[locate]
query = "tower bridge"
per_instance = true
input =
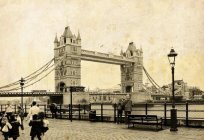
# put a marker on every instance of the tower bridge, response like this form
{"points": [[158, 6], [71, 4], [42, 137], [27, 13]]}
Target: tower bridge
{"points": [[68, 71]]}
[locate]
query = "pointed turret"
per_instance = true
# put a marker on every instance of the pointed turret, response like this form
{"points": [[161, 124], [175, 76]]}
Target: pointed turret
{"points": [[132, 47], [56, 42], [56, 39], [141, 49], [78, 36], [67, 32]]}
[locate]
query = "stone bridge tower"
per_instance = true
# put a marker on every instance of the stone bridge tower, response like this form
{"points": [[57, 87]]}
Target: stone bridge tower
{"points": [[67, 54], [131, 74]]}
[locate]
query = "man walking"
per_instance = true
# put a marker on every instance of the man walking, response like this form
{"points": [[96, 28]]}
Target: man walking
{"points": [[120, 112], [34, 110], [128, 107]]}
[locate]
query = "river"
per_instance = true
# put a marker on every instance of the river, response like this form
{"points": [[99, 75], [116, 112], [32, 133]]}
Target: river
{"points": [[195, 111]]}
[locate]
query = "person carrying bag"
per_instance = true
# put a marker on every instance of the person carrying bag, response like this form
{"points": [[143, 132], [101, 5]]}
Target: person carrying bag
{"points": [[6, 126]]}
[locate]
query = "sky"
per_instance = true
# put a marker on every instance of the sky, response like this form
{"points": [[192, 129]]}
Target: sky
{"points": [[28, 29]]}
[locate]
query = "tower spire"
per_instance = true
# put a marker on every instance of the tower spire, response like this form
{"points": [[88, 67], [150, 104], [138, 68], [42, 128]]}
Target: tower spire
{"points": [[78, 36], [56, 39], [67, 32]]}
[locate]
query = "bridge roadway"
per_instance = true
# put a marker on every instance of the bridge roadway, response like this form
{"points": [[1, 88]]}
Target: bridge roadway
{"points": [[85, 130], [29, 94]]}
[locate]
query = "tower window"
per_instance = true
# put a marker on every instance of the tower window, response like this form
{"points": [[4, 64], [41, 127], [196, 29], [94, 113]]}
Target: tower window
{"points": [[64, 40]]}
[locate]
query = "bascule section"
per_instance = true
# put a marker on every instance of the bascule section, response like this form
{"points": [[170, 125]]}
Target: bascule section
{"points": [[68, 55]]}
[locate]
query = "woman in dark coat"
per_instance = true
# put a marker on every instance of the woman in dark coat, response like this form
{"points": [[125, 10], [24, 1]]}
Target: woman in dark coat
{"points": [[36, 127], [14, 132]]}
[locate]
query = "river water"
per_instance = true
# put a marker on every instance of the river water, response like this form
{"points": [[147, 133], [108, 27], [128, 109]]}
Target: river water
{"points": [[194, 111]]}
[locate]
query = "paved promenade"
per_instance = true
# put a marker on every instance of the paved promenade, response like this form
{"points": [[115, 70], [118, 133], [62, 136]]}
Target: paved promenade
{"points": [[85, 130]]}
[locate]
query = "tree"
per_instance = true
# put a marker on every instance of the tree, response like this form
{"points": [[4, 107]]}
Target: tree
{"points": [[194, 91]]}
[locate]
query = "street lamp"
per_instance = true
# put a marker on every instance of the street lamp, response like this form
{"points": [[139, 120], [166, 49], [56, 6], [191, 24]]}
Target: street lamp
{"points": [[21, 84], [171, 56]]}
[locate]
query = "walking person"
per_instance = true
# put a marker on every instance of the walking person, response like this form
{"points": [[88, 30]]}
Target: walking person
{"points": [[34, 110], [20, 113], [8, 110], [36, 127], [128, 107], [6, 126], [119, 112], [45, 127], [53, 109], [14, 132]]}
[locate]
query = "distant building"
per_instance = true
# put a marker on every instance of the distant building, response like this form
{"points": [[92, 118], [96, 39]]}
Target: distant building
{"points": [[165, 93]]}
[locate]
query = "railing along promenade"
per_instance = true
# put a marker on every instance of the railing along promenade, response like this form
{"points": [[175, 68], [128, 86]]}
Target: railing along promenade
{"points": [[189, 114]]}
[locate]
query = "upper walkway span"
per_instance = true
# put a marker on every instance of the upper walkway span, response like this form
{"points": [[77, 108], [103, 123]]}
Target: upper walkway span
{"points": [[105, 58]]}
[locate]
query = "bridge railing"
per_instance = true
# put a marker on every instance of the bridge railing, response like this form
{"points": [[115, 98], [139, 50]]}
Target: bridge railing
{"points": [[188, 114]]}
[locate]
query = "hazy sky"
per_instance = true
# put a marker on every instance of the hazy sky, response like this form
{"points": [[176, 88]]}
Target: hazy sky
{"points": [[28, 29]]}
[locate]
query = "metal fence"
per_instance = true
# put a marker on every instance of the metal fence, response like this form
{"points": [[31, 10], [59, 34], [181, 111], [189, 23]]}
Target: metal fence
{"points": [[188, 114]]}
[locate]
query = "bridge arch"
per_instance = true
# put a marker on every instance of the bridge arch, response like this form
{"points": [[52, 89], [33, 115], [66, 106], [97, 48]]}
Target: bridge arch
{"points": [[61, 87]]}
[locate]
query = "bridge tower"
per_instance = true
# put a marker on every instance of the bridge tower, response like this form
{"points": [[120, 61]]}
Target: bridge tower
{"points": [[67, 53], [131, 74]]}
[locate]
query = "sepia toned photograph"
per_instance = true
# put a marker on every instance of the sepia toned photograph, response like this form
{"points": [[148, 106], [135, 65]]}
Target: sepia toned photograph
{"points": [[102, 70]]}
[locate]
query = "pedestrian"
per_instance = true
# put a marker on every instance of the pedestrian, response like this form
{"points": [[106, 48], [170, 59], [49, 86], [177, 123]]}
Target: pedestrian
{"points": [[119, 112], [8, 110], [36, 127], [20, 114], [14, 132], [34, 110], [45, 128], [6, 126], [128, 107], [53, 110]]}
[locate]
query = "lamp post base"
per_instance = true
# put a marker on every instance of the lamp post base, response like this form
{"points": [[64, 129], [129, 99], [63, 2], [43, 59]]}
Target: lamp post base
{"points": [[173, 120]]}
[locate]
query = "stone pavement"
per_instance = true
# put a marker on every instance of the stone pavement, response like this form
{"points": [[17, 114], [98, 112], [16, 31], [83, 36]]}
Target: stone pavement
{"points": [[85, 130]]}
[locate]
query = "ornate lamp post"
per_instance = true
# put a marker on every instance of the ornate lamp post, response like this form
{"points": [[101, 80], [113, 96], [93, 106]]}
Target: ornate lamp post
{"points": [[171, 56], [21, 84]]}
